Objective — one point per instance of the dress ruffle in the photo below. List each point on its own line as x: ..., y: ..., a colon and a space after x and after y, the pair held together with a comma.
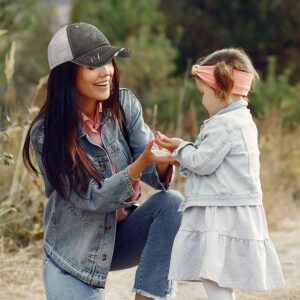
x: 228, y: 245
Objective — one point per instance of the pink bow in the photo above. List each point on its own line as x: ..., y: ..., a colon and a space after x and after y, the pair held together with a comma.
x: 242, y: 80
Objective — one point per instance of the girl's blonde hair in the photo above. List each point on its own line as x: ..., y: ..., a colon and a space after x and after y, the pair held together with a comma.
x: 224, y: 60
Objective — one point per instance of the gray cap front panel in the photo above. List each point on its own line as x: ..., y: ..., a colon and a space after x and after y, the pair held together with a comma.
x: 59, y: 50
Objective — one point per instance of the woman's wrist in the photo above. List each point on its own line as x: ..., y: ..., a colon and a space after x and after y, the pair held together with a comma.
x: 129, y: 172
x: 135, y: 169
x: 143, y: 159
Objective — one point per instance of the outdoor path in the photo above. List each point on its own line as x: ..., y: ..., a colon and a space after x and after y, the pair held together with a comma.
x: 287, y: 242
x: 21, y: 278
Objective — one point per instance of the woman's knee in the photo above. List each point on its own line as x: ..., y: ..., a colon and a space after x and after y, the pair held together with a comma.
x: 166, y: 204
x: 170, y: 199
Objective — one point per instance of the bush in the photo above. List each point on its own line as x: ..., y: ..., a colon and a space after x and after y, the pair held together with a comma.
x: 276, y: 92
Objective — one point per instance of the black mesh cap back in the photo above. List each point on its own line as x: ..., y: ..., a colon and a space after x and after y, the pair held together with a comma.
x: 84, y: 37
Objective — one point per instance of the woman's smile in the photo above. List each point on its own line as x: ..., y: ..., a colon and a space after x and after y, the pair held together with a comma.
x: 103, y: 84
x: 102, y: 87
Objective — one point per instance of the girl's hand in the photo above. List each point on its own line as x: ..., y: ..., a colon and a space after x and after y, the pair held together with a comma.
x: 165, y: 142
x: 175, y: 163
x: 161, y: 158
x: 156, y: 156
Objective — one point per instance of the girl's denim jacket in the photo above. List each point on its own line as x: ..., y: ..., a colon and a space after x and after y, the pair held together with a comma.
x: 222, y: 166
x: 79, y: 233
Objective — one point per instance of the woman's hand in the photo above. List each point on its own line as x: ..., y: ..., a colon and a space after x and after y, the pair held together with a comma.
x: 159, y: 157
x: 156, y: 156
x: 165, y: 142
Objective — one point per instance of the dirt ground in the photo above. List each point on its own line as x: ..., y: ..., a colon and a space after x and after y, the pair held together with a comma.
x: 287, y: 242
x: 20, y: 273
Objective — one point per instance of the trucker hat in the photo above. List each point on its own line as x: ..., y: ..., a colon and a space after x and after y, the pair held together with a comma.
x: 83, y: 44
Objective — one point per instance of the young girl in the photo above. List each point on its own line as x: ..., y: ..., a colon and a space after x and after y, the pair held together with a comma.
x: 223, y: 240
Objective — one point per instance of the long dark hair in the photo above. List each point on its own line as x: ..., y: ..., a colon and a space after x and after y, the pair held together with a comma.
x: 62, y: 156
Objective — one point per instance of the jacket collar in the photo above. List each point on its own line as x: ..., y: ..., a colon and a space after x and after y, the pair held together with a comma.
x: 81, y: 131
x: 235, y: 105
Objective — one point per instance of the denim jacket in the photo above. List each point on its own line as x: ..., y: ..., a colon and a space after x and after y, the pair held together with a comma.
x: 79, y: 233
x: 222, y: 166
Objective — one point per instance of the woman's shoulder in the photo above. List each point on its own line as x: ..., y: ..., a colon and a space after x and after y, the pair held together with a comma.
x: 127, y: 96
x: 37, y: 128
x: 37, y: 133
x: 129, y: 102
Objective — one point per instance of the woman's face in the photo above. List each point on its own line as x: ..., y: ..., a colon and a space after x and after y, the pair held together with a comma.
x: 94, y: 84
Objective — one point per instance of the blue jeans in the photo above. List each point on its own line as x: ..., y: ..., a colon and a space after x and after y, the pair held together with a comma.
x: 144, y: 238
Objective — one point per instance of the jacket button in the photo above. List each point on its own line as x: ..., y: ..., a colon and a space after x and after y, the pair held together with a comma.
x: 107, y: 226
x: 102, y: 167
x: 103, y: 257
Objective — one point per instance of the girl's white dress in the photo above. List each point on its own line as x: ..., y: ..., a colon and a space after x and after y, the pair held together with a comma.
x: 224, y: 236
x: 226, y: 244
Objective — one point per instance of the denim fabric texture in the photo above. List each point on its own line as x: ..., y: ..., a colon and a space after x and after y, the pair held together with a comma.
x: 79, y: 233
x: 60, y: 285
x: 222, y: 166
x: 144, y: 238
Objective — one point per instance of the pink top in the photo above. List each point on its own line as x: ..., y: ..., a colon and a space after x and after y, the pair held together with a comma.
x: 241, y: 80
x: 93, y: 129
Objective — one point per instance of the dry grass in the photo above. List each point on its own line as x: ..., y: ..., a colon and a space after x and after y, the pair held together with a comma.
x: 20, y: 273
x: 21, y: 204
x: 20, y: 270
x: 21, y: 278
x: 280, y: 171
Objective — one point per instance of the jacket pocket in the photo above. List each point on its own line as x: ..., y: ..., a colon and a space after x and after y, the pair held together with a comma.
x: 118, y: 155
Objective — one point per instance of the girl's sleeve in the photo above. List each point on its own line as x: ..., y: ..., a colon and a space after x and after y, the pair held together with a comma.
x: 204, y: 158
x: 184, y: 171
x: 139, y: 135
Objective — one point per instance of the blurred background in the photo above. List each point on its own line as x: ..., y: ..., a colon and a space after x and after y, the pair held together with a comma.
x: 166, y: 38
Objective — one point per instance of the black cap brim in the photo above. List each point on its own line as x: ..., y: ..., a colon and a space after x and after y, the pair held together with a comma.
x: 101, y: 55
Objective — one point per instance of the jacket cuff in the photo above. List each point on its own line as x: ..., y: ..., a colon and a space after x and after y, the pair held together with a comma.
x: 182, y: 145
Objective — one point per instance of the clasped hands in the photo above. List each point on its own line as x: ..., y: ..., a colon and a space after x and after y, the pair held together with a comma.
x: 166, y: 147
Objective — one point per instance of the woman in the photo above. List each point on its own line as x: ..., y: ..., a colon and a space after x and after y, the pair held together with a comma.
x: 92, y: 148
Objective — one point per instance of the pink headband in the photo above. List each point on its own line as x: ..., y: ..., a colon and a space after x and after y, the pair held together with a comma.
x: 242, y: 80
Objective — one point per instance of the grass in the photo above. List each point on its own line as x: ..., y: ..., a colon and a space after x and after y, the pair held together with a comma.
x: 20, y: 273
x: 22, y: 200
x: 280, y: 172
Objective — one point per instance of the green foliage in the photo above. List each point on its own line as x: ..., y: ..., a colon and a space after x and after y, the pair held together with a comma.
x: 168, y: 101
x: 20, y: 209
x: 25, y: 22
x: 261, y: 28
x: 5, y: 121
x: 119, y: 19
x: 158, y: 33
x: 276, y: 92
x: 140, y: 26
x: 7, y: 158
x: 151, y: 64
x: 36, y: 231
x: 21, y: 222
